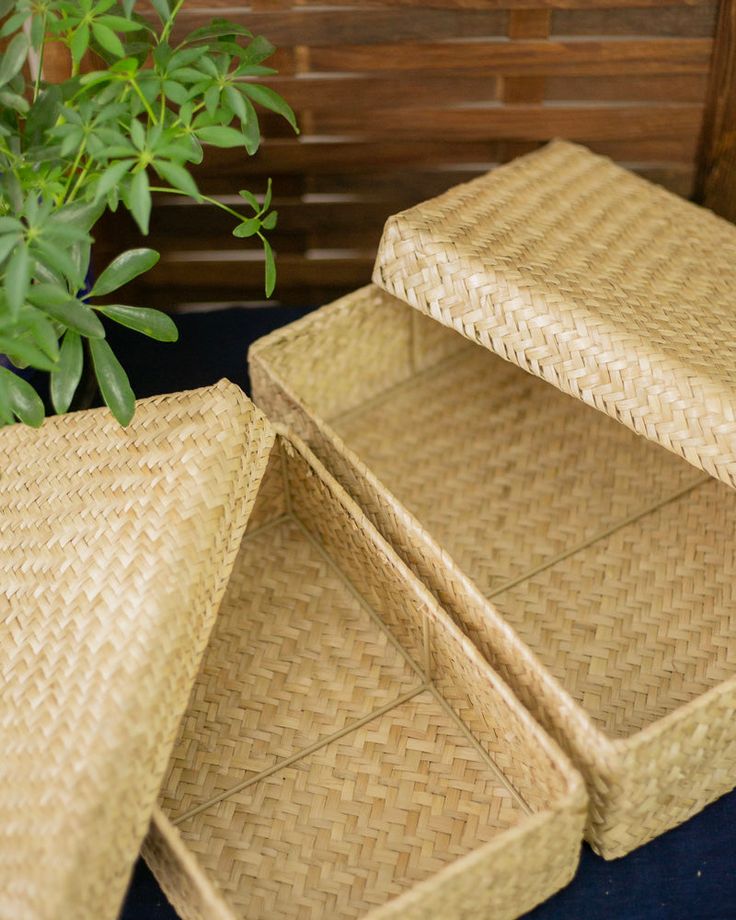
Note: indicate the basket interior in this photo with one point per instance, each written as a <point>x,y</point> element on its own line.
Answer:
<point>332,754</point>
<point>612,558</point>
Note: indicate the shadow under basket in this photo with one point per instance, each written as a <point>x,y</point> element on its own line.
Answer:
<point>346,751</point>
<point>593,569</point>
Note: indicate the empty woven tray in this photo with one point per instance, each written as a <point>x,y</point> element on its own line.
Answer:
<point>594,569</point>
<point>115,546</point>
<point>346,751</point>
<point>601,283</point>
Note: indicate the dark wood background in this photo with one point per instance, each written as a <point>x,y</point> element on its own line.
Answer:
<point>398,101</point>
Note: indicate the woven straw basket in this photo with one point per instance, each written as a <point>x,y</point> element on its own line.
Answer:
<point>115,547</point>
<point>594,569</point>
<point>346,751</point>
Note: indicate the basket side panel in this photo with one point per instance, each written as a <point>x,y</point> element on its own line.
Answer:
<point>187,887</point>
<point>377,576</point>
<point>343,354</point>
<point>505,730</point>
<point>504,881</point>
<point>669,774</point>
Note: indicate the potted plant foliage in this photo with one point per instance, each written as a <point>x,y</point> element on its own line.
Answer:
<point>130,123</point>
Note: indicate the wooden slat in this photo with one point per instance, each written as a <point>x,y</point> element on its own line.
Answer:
<point>324,26</point>
<point>336,92</point>
<point>524,58</point>
<point>230,9</point>
<point>529,122</point>
<point>716,185</point>
<point>645,88</point>
<point>677,20</point>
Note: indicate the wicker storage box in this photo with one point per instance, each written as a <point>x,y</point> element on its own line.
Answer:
<point>594,569</point>
<point>346,750</point>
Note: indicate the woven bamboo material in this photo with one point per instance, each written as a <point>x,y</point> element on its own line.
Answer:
<point>592,568</point>
<point>115,547</point>
<point>606,286</point>
<point>346,751</point>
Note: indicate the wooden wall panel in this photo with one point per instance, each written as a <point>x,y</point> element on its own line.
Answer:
<point>400,99</point>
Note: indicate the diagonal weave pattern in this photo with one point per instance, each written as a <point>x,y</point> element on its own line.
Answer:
<point>115,547</point>
<point>657,598</point>
<point>357,822</point>
<point>292,658</point>
<point>601,283</point>
<point>493,499</point>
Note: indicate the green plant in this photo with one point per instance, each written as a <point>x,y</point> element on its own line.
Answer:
<point>131,126</point>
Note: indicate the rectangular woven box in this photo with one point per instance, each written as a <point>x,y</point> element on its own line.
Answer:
<point>594,570</point>
<point>346,751</point>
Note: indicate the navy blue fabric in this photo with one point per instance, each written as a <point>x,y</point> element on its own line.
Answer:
<point>687,874</point>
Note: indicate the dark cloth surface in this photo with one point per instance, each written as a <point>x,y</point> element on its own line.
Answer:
<point>687,874</point>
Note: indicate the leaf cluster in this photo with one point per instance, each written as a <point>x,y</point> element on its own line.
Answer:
<point>108,137</point>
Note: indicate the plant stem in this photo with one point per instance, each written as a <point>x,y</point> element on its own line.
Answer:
<point>219,204</point>
<point>37,83</point>
<point>75,167</point>
<point>139,91</point>
<point>80,179</point>
<point>170,22</point>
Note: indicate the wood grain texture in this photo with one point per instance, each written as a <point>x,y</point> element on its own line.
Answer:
<point>717,166</point>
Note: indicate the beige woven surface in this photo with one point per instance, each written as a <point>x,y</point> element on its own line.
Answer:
<point>304,821</point>
<point>461,446</point>
<point>592,568</point>
<point>605,285</point>
<point>115,546</point>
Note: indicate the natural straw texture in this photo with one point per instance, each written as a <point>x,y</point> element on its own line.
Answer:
<point>606,286</point>
<point>346,751</point>
<point>593,569</point>
<point>115,548</point>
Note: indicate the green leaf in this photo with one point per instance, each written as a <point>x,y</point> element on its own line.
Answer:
<point>44,335</point>
<point>13,23</point>
<point>162,8</point>
<point>14,101</point>
<point>6,6</point>
<point>236,103</point>
<point>113,381</point>
<point>270,99</point>
<point>153,323</point>
<point>10,225</point>
<point>7,243</point>
<point>79,42</point>
<point>140,200</point>
<point>119,23</point>
<point>250,198</point>
<point>21,351</point>
<point>83,213</point>
<point>177,177</point>
<point>124,268</point>
<point>270,220</point>
<point>21,398</point>
<point>251,130</point>
<point>111,177</point>
<point>108,40</point>
<point>59,262</point>
<point>220,136</point>
<point>258,50</point>
<point>13,58</point>
<point>42,115</point>
<point>65,379</point>
<point>270,268</point>
<point>67,310</point>
<point>267,197</point>
<point>176,92</point>
<point>247,228</point>
<point>18,277</point>
<point>215,29</point>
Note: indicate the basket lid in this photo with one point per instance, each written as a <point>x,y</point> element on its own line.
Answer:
<point>115,548</point>
<point>597,281</point>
